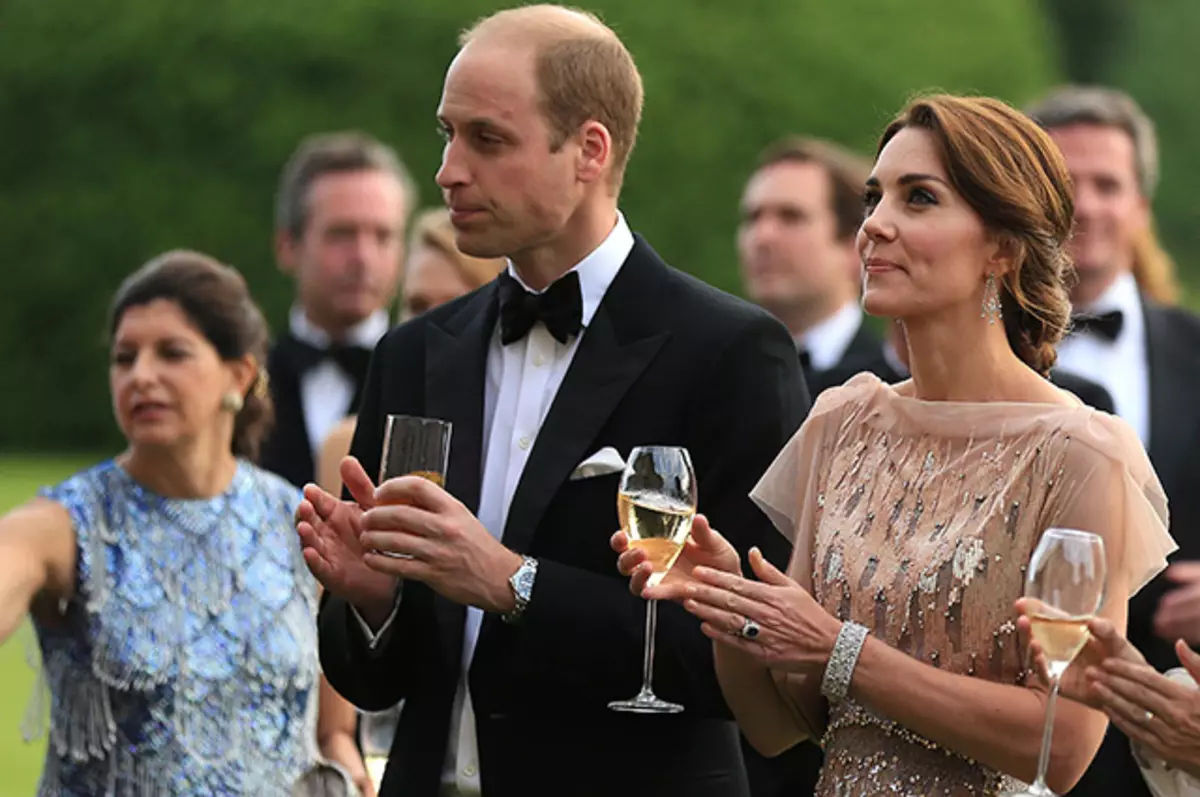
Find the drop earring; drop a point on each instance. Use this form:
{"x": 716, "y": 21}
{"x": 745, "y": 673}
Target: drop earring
{"x": 992, "y": 310}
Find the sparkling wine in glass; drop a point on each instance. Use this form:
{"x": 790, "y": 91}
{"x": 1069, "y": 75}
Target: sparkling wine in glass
{"x": 656, "y": 503}
{"x": 1065, "y": 584}
{"x": 414, "y": 446}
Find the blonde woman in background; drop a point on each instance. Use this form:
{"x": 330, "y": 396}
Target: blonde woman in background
{"x": 436, "y": 272}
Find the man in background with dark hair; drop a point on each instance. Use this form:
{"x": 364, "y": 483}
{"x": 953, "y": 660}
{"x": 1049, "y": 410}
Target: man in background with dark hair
{"x": 340, "y": 216}
{"x": 800, "y": 212}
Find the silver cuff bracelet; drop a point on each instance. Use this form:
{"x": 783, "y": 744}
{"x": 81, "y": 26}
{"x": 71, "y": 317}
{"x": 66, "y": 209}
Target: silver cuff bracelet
{"x": 840, "y": 668}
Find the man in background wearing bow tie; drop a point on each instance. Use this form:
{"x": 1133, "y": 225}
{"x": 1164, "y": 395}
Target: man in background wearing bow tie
{"x": 510, "y": 629}
{"x": 341, "y": 208}
{"x": 1146, "y": 354}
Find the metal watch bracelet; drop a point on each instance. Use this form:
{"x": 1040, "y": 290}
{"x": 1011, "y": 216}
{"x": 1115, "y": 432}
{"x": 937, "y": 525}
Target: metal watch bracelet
{"x": 836, "y": 682}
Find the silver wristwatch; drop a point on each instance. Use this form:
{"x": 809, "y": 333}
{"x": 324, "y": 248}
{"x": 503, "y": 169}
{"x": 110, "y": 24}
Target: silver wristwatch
{"x": 522, "y": 587}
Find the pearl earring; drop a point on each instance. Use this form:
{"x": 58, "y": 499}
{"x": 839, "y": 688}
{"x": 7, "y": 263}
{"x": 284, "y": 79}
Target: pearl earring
{"x": 232, "y": 402}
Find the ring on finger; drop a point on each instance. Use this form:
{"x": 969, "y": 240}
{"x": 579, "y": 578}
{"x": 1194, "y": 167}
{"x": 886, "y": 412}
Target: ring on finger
{"x": 1147, "y": 717}
{"x": 749, "y": 629}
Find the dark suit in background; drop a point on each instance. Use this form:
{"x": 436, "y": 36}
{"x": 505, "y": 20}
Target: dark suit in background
{"x": 287, "y": 450}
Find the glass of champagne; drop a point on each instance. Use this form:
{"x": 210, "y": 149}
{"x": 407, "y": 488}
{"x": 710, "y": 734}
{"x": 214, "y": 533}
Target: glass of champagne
{"x": 1065, "y": 584}
{"x": 376, "y": 731}
{"x": 655, "y": 504}
{"x": 415, "y": 446}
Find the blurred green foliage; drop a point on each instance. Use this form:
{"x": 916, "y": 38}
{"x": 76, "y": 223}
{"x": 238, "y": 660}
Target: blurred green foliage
{"x": 133, "y": 126}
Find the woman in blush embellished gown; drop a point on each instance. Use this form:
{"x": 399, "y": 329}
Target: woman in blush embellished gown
{"x": 914, "y": 508}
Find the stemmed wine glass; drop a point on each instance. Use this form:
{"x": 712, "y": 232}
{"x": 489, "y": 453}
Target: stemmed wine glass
{"x": 656, "y": 503}
{"x": 1065, "y": 585}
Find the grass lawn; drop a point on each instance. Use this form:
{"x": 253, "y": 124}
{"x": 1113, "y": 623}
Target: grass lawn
{"x": 21, "y": 763}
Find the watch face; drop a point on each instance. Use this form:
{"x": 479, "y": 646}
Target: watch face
{"x": 525, "y": 581}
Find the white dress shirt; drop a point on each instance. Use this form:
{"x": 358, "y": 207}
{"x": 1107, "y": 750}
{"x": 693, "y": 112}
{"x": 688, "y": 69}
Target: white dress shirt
{"x": 326, "y": 391}
{"x": 522, "y": 380}
{"x": 1121, "y": 366}
{"x": 826, "y": 343}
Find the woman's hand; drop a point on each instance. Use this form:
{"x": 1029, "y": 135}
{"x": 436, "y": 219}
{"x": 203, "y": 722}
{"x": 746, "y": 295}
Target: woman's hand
{"x": 775, "y": 621}
{"x": 1160, "y": 715}
{"x": 704, "y": 548}
{"x": 341, "y": 749}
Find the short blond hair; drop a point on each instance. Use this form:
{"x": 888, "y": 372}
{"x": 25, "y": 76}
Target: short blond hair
{"x": 433, "y": 229}
{"x": 583, "y": 69}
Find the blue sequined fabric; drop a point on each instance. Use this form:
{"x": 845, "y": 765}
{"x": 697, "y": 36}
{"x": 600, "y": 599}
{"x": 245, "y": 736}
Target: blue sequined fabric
{"x": 186, "y": 662}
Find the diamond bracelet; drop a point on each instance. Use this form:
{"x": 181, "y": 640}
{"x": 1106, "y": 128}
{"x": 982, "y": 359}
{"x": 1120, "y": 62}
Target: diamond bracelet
{"x": 836, "y": 682}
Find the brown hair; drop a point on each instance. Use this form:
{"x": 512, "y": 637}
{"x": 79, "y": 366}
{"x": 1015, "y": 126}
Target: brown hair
{"x": 848, "y": 173}
{"x": 1153, "y": 268}
{"x": 1011, "y": 173}
{"x": 216, "y": 300}
{"x": 434, "y": 230}
{"x": 584, "y": 72}
{"x": 332, "y": 153}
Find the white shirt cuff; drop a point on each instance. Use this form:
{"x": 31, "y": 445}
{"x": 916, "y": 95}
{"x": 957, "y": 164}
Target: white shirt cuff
{"x": 374, "y": 638}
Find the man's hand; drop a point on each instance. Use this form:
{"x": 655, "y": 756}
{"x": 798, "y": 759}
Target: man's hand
{"x": 441, "y": 542}
{"x": 1178, "y": 615}
{"x": 330, "y": 535}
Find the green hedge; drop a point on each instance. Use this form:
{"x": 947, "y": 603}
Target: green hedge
{"x": 132, "y": 126}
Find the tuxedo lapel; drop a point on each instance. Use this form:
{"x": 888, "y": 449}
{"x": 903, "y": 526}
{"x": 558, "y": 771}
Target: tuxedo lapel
{"x": 287, "y": 450}
{"x": 455, "y": 379}
{"x": 601, "y": 372}
{"x": 1172, "y": 408}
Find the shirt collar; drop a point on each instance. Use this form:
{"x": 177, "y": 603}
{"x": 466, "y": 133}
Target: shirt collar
{"x": 364, "y": 334}
{"x": 598, "y": 269}
{"x": 826, "y": 343}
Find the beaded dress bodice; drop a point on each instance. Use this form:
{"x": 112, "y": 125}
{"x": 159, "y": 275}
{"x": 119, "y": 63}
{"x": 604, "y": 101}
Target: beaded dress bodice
{"x": 186, "y": 661}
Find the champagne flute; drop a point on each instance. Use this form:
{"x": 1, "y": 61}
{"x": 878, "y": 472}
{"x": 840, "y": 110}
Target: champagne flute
{"x": 1065, "y": 583}
{"x": 376, "y": 731}
{"x": 414, "y": 446}
{"x": 656, "y": 503}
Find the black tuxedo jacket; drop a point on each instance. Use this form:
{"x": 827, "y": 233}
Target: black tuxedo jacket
{"x": 286, "y": 450}
{"x": 667, "y": 360}
{"x": 1173, "y": 349}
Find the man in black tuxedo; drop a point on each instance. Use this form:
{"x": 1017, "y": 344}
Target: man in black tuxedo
{"x": 511, "y": 630}
{"x": 340, "y": 215}
{"x": 1147, "y": 355}
{"x": 800, "y": 211}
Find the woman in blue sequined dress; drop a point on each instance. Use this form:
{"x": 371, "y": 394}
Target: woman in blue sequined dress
{"x": 175, "y": 615}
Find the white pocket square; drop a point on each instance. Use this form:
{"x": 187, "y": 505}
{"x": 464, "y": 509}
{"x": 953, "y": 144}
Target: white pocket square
{"x": 602, "y": 463}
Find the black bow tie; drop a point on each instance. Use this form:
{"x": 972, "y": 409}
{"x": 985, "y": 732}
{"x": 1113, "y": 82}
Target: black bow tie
{"x": 305, "y": 356}
{"x": 1106, "y": 325}
{"x": 353, "y": 360}
{"x": 560, "y": 308}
